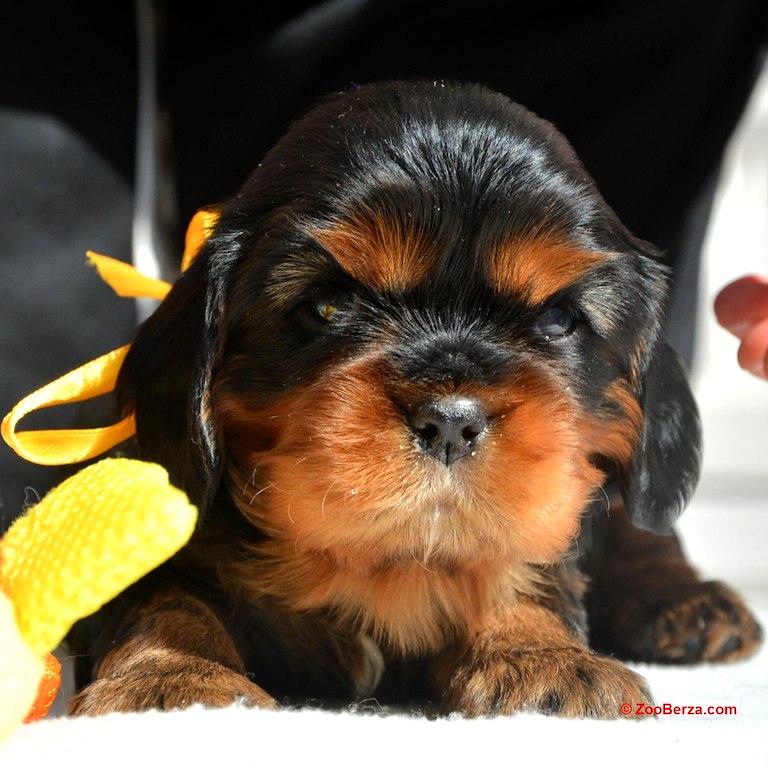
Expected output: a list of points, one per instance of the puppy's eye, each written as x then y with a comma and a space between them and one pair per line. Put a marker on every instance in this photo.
332, 307
326, 309
555, 322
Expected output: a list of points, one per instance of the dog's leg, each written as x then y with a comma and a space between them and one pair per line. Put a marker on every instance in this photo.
647, 603
531, 657
175, 654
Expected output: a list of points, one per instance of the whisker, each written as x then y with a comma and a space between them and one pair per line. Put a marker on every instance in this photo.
423, 564
251, 481
258, 493
607, 499
322, 506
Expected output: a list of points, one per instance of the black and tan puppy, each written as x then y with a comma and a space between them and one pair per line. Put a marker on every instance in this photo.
400, 380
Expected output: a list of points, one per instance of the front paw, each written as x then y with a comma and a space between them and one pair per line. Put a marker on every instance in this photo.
141, 688
689, 623
570, 682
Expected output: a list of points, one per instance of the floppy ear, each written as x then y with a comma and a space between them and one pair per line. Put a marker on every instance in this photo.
665, 466
165, 380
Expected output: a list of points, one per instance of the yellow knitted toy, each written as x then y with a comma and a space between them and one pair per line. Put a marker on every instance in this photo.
83, 544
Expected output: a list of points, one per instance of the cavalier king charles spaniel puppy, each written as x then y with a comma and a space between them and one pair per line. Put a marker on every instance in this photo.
416, 385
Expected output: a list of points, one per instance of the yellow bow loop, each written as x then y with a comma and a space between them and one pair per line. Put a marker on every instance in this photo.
54, 447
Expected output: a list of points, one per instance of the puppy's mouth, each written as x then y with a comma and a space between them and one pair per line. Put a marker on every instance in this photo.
447, 478
412, 507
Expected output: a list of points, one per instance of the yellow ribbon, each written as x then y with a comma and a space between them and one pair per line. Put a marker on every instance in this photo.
68, 446
98, 377
198, 231
127, 281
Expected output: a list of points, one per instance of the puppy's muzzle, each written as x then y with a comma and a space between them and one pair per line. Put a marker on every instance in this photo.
448, 428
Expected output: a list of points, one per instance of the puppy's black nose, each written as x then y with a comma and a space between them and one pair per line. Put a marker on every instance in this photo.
448, 428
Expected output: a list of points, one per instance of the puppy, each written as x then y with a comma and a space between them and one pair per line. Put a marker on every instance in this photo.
415, 383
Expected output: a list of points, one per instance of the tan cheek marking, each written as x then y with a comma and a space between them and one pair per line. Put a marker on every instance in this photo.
615, 438
626, 432
540, 476
380, 251
539, 268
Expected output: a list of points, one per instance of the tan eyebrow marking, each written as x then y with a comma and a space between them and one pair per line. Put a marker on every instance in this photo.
380, 250
538, 268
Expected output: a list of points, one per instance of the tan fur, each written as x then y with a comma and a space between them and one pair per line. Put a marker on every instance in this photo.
380, 251
172, 633
615, 436
449, 544
526, 658
538, 267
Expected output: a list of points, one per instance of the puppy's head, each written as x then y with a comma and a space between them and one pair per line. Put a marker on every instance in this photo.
418, 332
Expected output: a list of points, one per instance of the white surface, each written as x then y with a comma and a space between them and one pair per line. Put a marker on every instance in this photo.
257, 738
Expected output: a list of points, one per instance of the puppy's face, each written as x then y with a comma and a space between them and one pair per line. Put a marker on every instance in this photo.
432, 403
418, 333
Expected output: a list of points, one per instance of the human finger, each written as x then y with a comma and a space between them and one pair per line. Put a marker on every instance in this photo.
753, 350
742, 303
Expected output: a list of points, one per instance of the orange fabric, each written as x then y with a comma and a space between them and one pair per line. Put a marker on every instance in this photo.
49, 686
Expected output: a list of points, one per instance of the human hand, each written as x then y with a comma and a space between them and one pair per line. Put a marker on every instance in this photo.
742, 308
